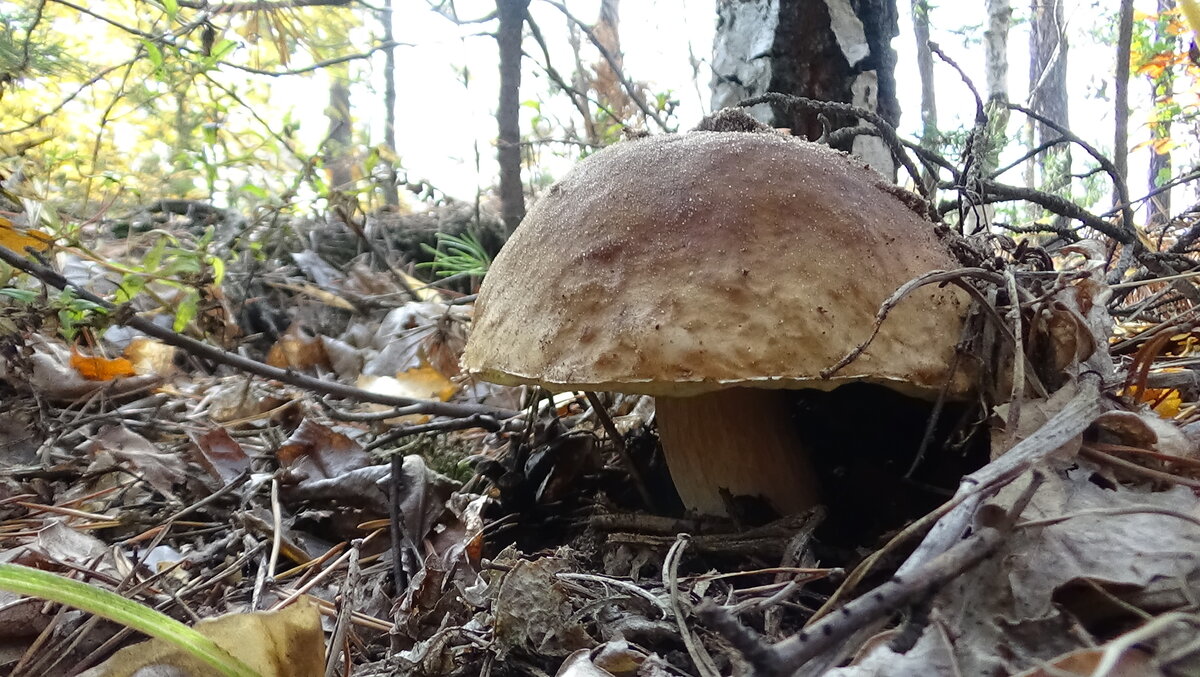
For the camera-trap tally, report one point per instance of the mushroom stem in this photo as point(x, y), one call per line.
point(743, 440)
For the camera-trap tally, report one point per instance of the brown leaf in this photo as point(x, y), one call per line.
point(316, 451)
point(162, 470)
point(296, 351)
point(220, 455)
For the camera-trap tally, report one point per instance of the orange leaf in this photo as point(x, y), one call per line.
point(296, 351)
point(1151, 69)
point(18, 240)
point(100, 368)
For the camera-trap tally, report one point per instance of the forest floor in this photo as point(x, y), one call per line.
point(308, 442)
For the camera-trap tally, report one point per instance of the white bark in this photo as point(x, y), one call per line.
point(741, 69)
point(995, 38)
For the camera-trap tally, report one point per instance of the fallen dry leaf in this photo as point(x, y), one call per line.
point(316, 451)
point(220, 455)
point(296, 351)
point(284, 643)
point(100, 368)
point(150, 356)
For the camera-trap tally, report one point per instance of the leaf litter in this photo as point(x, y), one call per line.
point(510, 540)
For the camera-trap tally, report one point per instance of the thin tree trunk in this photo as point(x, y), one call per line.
point(929, 126)
point(1121, 93)
point(508, 113)
point(930, 138)
point(1048, 89)
point(995, 37)
point(341, 131)
point(1159, 207)
point(391, 196)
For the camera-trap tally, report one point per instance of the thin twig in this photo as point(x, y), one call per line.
point(790, 655)
point(622, 451)
point(670, 579)
point(886, 130)
point(633, 92)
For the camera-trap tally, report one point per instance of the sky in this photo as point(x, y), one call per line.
point(444, 118)
point(441, 121)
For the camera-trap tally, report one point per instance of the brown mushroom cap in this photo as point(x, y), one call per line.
point(678, 265)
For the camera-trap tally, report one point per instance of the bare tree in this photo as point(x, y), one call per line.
point(508, 113)
point(1048, 92)
point(1121, 93)
point(835, 50)
point(929, 126)
point(338, 161)
point(995, 37)
point(1163, 89)
point(391, 196)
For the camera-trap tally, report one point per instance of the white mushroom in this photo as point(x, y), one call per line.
point(710, 270)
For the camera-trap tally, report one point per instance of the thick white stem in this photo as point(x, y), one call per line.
point(740, 439)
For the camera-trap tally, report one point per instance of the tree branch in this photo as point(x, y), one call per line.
point(650, 113)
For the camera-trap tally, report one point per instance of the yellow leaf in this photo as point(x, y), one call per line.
point(1168, 404)
point(1191, 12)
point(429, 382)
point(1164, 146)
point(284, 643)
point(149, 356)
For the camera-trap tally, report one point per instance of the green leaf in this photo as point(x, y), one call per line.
point(22, 295)
point(154, 54)
point(172, 8)
point(186, 310)
point(34, 583)
point(131, 285)
point(218, 267)
point(222, 49)
point(153, 258)
point(255, 191)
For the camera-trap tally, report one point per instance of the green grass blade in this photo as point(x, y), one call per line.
point(34, 583)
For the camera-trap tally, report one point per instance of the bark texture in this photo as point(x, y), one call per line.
point(391, 195)
point(1159, 206)
point(920, 19)
point(1121, 93)
point(995, 38)
point(508, 113)
point(830, 50)
point(1048, 88)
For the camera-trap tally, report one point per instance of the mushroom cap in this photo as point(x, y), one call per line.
point(682, 264)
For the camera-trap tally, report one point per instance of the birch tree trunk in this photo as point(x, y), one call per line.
point(830, 50)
